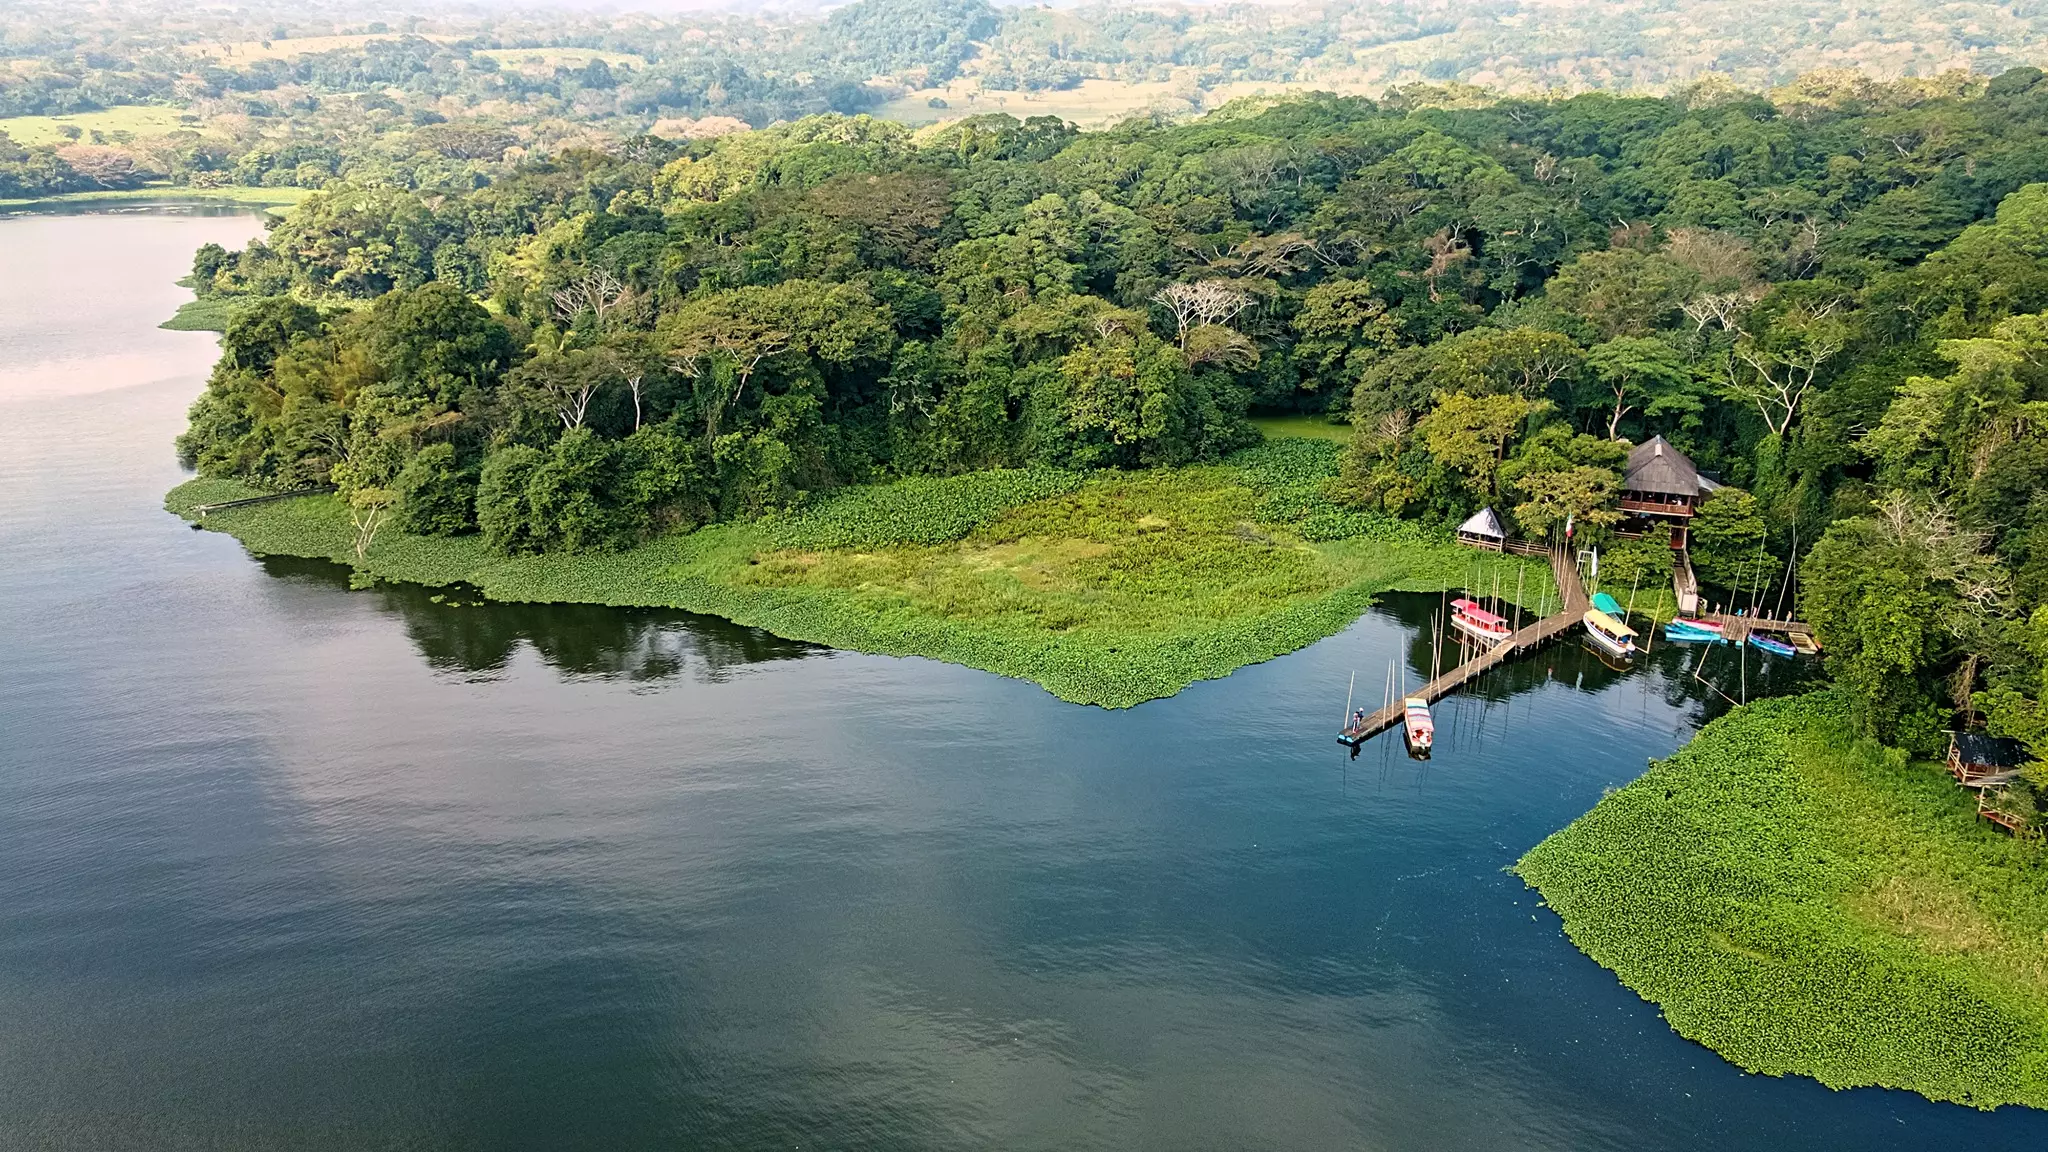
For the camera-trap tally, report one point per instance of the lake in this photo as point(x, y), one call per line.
point(285, 865)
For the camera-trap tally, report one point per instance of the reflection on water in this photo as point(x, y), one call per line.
point(457, 630)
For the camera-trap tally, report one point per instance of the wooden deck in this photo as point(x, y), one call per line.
point(1738, 628)
point(1528, 636)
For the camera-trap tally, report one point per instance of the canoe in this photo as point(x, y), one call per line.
point(1773, 646)
point(1682, 634)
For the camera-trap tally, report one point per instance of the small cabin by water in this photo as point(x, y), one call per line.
point(1980, 761)
point(1483, 530)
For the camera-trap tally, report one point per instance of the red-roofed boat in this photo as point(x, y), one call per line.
point(1468, 617)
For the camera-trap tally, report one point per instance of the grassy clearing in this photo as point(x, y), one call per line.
point(1111, 589)
point(1312, 427)
point(1804, 904)
point(127, 119)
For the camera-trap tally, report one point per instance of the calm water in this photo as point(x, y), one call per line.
point(288, 866)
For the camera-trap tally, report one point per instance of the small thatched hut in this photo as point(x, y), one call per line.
point(1482, 530)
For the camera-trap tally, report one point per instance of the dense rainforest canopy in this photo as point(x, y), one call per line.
point(1838, 305)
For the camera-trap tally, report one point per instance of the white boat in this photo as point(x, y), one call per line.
point(1610, 635)
point(1418, 724)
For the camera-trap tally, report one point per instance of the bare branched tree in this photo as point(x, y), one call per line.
point(1723, 309)
point(1202, 302)
point(1446, 251)
point(597, 292)
point(633, 385)
point(1954, 556)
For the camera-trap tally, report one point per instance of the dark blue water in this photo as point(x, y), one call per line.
point(288, 866)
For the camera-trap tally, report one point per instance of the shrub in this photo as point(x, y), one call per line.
point(436, 497)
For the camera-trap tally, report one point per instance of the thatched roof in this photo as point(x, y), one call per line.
point(1655, 466)
point(1990, 751)
point(1483, 523)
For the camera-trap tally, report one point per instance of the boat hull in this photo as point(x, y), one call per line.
point(1608, 644)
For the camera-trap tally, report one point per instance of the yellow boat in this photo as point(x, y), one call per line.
point(1610, 635)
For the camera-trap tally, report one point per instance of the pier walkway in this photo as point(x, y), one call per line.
point(1528, 636)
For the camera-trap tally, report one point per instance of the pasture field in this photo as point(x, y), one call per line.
point(127, 120)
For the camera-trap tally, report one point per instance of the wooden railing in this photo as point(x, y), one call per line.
point(1657, 507)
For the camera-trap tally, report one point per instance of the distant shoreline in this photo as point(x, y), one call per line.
point(161, 194)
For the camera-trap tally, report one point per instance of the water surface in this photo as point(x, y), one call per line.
point(288, 866)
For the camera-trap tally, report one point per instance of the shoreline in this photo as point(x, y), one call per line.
point(1043, 636)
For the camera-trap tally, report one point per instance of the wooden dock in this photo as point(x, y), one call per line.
point(1738, 628)
point(1528, 636)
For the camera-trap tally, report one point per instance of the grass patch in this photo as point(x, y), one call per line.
point(208, 315)
point(1111, 589)
point(1806, 904)
point(1312, 427)
point(128, 119)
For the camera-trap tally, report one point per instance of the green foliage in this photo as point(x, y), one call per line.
point(1725, 539)
point(1806, 904)
point(204, 315)
point(436, 497)
point(919, 510)
point(502, 508)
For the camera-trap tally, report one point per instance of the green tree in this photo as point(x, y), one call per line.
point(1469, 434)
point(1631, 373)
point(1725, 538)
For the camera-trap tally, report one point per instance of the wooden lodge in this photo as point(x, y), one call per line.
point(1661, 483)
point(1483, 530)
point(1980, 761)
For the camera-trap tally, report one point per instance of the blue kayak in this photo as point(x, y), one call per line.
point(1774, 647)
point(1684, 635)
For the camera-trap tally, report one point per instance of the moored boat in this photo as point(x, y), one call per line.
point(1698, 625)
point(1417, 723)
point(1487, 628)
point(1771, 644)
point(1686, 634)
point(1609, 635)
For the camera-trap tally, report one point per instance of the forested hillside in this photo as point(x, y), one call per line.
point(427, 95)
point(1836, 306)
